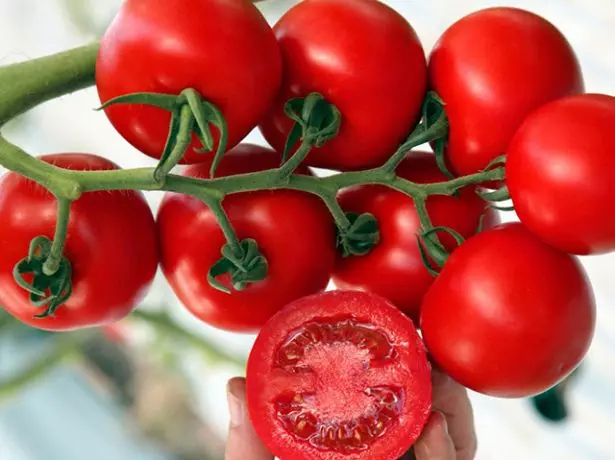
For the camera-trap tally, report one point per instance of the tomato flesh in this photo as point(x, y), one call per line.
point(339, 374)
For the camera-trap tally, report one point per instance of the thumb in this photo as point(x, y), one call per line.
point(435, 442)
point(242, 443)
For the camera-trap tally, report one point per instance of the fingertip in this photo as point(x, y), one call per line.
point(435, 442)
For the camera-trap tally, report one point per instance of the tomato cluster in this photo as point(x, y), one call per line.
point(345, 374)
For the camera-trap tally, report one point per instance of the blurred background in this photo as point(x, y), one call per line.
point(153, 387)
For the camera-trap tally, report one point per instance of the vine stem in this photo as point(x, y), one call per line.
point(52, 264)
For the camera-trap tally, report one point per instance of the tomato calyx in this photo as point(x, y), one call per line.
point(432, 251)
point(317, 121)
point(360, 237)
point(45, 288)
point(433, 112)
point(243, 263)
point(190, 113)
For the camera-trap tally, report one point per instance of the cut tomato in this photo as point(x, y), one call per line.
point(339, 375)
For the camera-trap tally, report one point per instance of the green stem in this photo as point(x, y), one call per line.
point(225, 224)
point(164, 324)
point(25, 85)
point(294, 161)
point(182, 142)
point(341, 220)
point(52, 264)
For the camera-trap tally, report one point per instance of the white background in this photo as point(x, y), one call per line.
point(506, 429)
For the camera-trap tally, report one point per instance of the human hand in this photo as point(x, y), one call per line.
point(448, 435)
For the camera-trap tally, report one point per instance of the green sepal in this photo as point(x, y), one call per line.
point(162, 101)
point(244, 266)
point(316, 121)
point(502, 194)
point(360, 237)
point(433, 111)
point(430, 247)
point(49, 291)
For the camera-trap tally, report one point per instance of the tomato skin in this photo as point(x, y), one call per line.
point(394, 269)
point(112, 246)
point(559, 173)
point(294, 231)
point(222, 48)
point(509, 316)
point(492, 68)
point(334, 47)
point(265, 380)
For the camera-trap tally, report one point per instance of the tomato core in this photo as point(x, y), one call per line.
point(342, 404)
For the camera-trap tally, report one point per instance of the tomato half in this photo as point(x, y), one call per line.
point(559, 173)
point(222, 48)
point(394, 268)
point(361, 56)
point(493, 68)
point(294, 230)
point(339, 375)
point(509, 316)
point(112, 247)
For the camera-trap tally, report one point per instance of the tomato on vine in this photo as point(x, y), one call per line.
point(394, 267)
point(111, 245)
point(335, 48)
point(224, 49)
point(293, 229)
point(559, 173)
point(339, 375)
point(492, 69)
point(509, 316)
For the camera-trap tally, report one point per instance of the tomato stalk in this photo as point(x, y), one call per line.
point(25, 85)
point(54, 260)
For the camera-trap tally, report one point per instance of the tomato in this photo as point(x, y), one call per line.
point(339, 375)
point(112, 247)
point(222, 48)
point(335, 47)
point(293, 229)
point(509, 316)
point(394, 268)
point(492, 68)
point(559, 173)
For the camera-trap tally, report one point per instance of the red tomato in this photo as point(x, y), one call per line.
point(559, 173)
point(294, 231)
point(222, 48)
point(339, 375)
point(509, 316)
point(335, 47)
point(493, 68)
point(111, 244)
point(394, 269)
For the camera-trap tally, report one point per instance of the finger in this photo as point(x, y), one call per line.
point(243, 443)
point(435, 442)
point(452, 400)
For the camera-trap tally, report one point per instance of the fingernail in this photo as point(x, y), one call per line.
point(235, 406)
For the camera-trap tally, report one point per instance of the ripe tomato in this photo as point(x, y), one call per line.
point(339, 375)
point(509, 316)
point(111, 244)
point(394, 269)
point(335, 47)
point(493, 68)
point(559, 173)
point(222, 48)
point(294, 232)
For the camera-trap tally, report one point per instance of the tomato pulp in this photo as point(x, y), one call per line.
point(111, 244)
point(222, 48)
point(294, 231)
point(394, 268)
point(339, 375)
point(492, 69)
point(509, 315)
point(364, 58)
